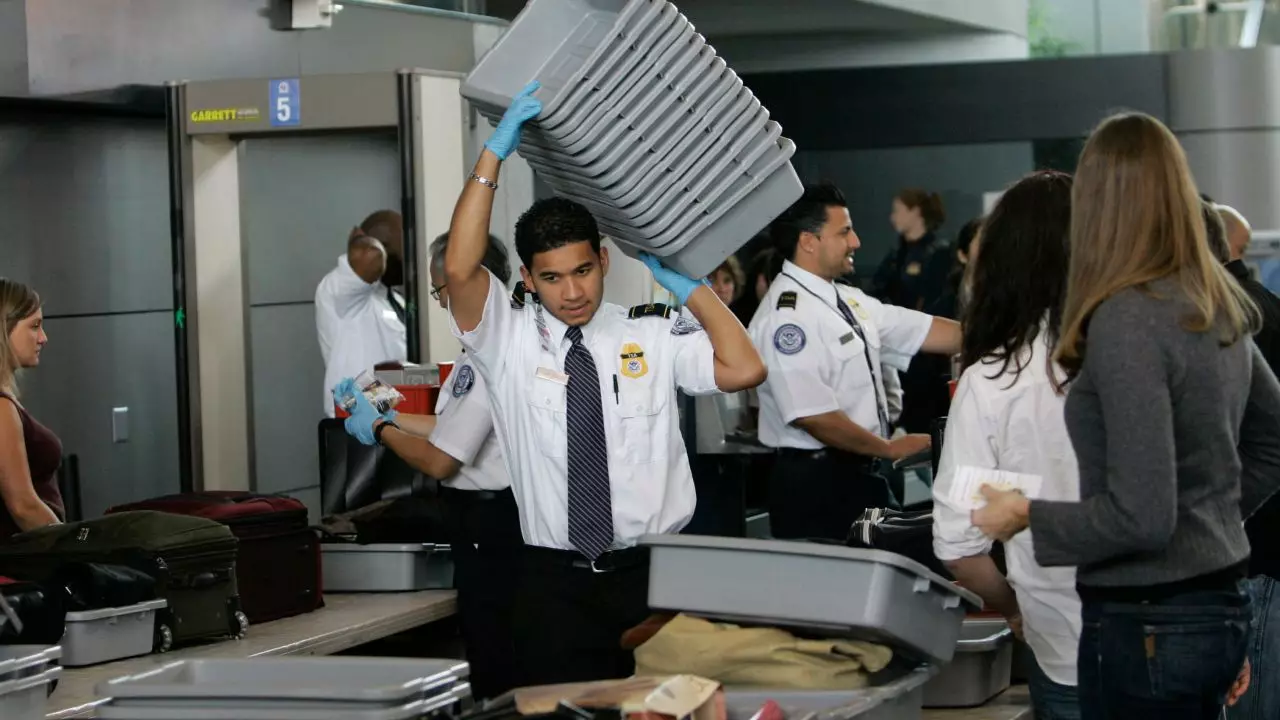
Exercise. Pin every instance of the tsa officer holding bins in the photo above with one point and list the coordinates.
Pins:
(457, 446)
(584, 403)
(823, 406)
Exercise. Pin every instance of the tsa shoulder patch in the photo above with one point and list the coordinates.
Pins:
(789, 339)
(650, 310)
(464, 382)
(786, 300)
(685, 326)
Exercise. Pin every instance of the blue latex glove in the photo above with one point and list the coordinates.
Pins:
(524, 107)
(363, 415)
(675, 283)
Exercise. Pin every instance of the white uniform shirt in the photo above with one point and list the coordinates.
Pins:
(1018, 427)
(464, 430)
(357, 327)
(652, 488)
(816, 361)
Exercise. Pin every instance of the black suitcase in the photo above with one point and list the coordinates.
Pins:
(191, 559)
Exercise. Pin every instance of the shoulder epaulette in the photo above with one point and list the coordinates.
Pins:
(649, 310)
(786, 300)
(518, 294)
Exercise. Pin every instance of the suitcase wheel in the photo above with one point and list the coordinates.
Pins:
(239, 625)
(163, 641)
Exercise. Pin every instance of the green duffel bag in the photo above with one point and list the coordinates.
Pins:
(192, 560)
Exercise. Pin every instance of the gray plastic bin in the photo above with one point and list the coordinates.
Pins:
(458, 694)
(552, 40)
(293, 682)
(21, 661)
(97, 636)
(980, 669)
(26, 698)
(897, 700)
(836, 591)
(349, 567)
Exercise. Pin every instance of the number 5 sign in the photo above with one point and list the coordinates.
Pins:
(286, 103)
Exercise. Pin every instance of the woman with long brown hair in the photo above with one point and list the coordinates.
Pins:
(29, 452)
(1175, 422)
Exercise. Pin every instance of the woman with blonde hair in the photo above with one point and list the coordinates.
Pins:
(1175, 422)
(30, 453)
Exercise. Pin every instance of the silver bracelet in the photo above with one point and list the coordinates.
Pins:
(484, 181)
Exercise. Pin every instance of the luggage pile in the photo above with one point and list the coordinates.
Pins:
(290, 688)
(643, 124)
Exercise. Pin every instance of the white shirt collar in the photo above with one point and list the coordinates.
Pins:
(557, 328)
(824, 289)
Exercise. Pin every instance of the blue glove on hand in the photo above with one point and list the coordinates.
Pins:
(675, 283)
(524, 107)
(363, 415)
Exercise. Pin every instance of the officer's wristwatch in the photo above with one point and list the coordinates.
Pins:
(377, 432)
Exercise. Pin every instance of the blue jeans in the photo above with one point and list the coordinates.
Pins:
(1050, 700)
(1172, 659)
(1262, 702)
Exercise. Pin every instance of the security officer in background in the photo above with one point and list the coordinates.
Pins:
(584, 400)
(823, 406)
(360, 319)
(457, 447)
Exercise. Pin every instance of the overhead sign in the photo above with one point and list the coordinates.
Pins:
(286, 103)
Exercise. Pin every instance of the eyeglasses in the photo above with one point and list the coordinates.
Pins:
(435, 292)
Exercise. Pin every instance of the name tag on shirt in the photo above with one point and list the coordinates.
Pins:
(966, 490)
(846, 338)
(554, 376)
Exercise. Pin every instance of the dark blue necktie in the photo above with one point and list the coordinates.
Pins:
(590, 504)
(881, 411)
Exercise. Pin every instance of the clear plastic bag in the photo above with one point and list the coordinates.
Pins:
(381, 396)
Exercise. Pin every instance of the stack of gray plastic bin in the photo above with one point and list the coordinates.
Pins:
(26, 674)
(290, 688)
(643, 124)
(818, 591)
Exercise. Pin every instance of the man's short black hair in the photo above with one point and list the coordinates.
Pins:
(552, 223)
(808, 214)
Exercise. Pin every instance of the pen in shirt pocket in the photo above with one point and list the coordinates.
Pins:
(615, 389)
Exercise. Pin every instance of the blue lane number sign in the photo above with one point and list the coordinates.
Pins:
(286, 103)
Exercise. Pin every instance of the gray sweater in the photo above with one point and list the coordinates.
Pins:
(1178, 440)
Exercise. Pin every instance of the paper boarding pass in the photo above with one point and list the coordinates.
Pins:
(966, 490)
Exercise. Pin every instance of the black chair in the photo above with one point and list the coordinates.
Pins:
(69, 487)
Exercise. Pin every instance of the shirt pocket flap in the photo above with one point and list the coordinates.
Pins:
(639, 400)
(547, 395)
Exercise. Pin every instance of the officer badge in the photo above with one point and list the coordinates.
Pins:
(463, 383)
(913, 269)
(789, 339)
(633, 363)
(685, 326)
(860, 311)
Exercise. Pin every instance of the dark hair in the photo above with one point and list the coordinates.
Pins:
(1020, 275)
(552, 223)
(929, 204)
(495, 256)
(808, 214)
(1215, 232)
(964, 240)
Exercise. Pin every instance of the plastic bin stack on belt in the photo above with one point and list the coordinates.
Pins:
(290, 688)
(643, 124)
(817, 590)
(27, 674)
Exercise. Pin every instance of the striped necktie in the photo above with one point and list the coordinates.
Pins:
(590, 503)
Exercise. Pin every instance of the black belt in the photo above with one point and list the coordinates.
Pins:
(860, 461)
(452, 493)
(608, 562)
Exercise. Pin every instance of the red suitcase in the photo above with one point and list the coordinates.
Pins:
(278, 565)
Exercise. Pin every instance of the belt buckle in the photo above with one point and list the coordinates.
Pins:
(597, 569)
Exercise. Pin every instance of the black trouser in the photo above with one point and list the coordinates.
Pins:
(484, 533)
(720, 482)
(819, 493)
(570, 617)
